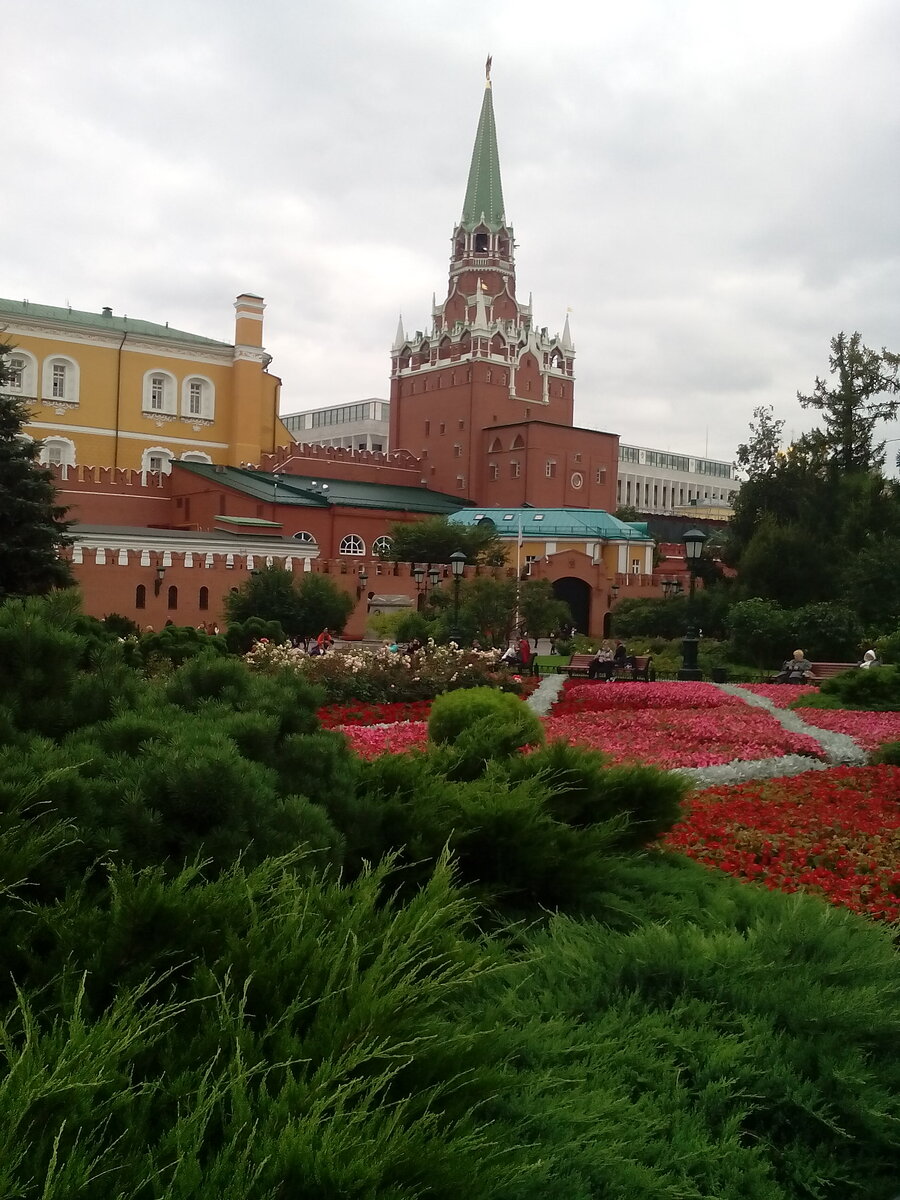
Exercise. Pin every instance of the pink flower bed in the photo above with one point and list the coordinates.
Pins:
(681, 737)
(870, 729)
(578, 696)
(781, 694)
(370, 741)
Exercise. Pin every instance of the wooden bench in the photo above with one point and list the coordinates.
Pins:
(822, 670)
(579, 664)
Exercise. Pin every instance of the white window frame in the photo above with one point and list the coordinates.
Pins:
(27, 381)
(207, 409)
(152, 452)
(304, 537)
(169, 393)
(72, 380)
(382, 545)
(352, 544)
(198, 456)
(66, 448)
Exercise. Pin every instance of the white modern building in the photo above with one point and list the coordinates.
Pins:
(659, 481)
(360, 426)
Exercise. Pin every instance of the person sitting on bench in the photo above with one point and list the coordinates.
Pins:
(622, 659)
(602, 664)
(797, 669)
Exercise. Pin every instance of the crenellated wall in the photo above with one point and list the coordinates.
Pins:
(364, 466)
(108, 496)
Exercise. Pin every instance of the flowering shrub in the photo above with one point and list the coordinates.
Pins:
(578, 696)
(681, 737)
(781, 694)
(381, 676)
(870, 729)
(833, 832)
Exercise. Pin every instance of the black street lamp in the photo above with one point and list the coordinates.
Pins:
(361, 580)
(418, 574)
(693, 548)
(457, 566)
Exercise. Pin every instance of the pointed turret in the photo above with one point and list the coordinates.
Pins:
(567, 336)
(484, 194)
(399, 336)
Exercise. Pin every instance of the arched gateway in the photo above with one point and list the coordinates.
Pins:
(577, 594)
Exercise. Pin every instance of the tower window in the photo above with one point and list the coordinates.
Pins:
(550, 468)
(481, 243)
(515, 469)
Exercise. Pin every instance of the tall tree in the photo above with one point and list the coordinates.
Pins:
(435, 539)
(33, 528)
(864, 393)
(759, 456)
(303, 609)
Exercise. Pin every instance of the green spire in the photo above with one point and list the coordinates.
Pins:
(484, 193)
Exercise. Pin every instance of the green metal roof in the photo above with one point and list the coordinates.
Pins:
(298, 490)
(553, 523)
(484, 193)
(87, 320)
(254, 521)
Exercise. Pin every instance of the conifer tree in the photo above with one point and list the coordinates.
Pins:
(32, 524)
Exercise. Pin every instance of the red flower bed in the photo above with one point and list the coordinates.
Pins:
(833, 832)
(870, 729)
(578, 696)
(393, 739)
(360, 713)
(781, 694)
(680, 737)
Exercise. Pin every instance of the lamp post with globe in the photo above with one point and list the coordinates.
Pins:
(457, 566)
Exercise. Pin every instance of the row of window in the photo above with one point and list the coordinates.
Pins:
(140, 597)
(60, 452)
(61, 382)
(675, 462)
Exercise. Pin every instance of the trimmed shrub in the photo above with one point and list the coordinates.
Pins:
(456, 712)
(875, 690)
(240, 636)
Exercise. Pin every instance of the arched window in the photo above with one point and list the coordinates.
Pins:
(382, 545)
(172, 602)
(140, 596)
(496, 446)
(198, 398)
(60, 382)
(204, 599)
(352, 544)
(196, 456)
(518, 442)
(302, 535)
(158, 459)
(22, 374)
(58, 452)
(160, 392)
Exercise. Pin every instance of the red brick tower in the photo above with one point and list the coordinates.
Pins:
(484, 397)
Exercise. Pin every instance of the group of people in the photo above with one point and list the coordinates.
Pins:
(322, 644)
(607, 661)
(798, 668)
(518, 654)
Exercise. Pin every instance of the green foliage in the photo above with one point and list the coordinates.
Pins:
(887, 752)
(759, 455)
(177, 644)
(33, 525)
(785, 564)
(435, 539)
(758, 632)
(241, 635)
(302, 609)
(540, 610)
(874, 690)
(828, 632)
(456, 712)
(887, 647)
(852, 409)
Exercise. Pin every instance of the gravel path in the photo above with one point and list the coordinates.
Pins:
(837, 747)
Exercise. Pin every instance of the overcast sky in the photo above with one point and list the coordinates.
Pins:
(711, 186)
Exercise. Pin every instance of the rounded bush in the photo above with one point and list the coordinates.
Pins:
(455, 712)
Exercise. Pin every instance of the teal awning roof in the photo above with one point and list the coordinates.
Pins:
(552, 523)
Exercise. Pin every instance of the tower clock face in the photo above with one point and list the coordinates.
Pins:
(577, 479)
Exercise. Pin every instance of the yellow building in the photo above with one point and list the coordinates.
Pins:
(108, 391)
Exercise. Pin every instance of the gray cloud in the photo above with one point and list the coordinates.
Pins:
(711, 188)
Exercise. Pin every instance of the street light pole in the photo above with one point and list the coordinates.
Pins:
(457, 566)
(693, 548)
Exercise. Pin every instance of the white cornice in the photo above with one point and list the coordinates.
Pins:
(135, 343)
(151, 436)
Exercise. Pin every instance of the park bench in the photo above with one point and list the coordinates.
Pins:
(824, 670)
(579, 664)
